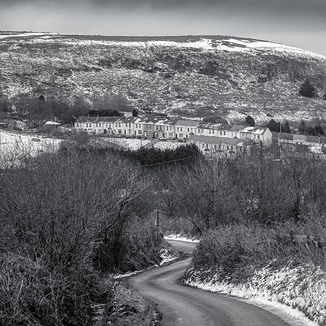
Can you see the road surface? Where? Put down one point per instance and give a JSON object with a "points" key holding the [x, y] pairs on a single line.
{"points": [[185, 306]]}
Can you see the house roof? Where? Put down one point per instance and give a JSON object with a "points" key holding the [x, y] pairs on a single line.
{"points": [[215, 126], [52, 123], [187, 123], [253, 130], [236, 127], [217, 140], [300, 137], [282, 135], [313, 139], [98, 119]]}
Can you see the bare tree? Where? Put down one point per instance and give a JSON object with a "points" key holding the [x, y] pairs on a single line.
{"points": [[205, 194]]}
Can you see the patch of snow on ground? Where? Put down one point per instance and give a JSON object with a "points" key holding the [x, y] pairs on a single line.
{"points": [[285, 292], [180, 237], [168, 145], [18, 146], [132, 144], [165, 256], [2, 36]]}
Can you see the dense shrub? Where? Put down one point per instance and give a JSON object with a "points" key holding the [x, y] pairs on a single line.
{"points": [[233, 251], [136, 248], [55, 210], [31, 294]]}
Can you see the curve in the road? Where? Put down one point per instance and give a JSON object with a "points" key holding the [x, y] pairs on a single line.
{"points": [[185, 306]]}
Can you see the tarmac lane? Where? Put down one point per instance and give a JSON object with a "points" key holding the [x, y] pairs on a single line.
{"points": [[182, 305]]}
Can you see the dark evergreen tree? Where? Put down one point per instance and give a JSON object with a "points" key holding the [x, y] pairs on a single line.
{"points": [[250, 120], [286, 127], [302, 127], [310, 131], [319, 131], [307, 89], [274, 126]]}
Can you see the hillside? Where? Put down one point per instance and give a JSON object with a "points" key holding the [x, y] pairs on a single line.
{"points": [[190, 76]]}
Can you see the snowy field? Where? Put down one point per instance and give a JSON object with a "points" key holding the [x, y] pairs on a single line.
{"points": [[14, 146], [134, 144]]}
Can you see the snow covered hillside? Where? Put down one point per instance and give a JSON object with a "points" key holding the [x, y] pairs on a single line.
{"points": [[190, 76]]}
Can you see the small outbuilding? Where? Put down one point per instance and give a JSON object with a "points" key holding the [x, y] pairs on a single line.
{"points": [[51, 125]]}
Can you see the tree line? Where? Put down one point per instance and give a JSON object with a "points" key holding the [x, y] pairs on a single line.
{"points": [[70, 217], [37, 109]]}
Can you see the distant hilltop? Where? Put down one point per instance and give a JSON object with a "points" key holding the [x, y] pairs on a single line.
{"points": [[188, 76]]}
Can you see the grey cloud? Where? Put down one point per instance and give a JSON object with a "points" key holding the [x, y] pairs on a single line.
{"points": [[284, 7], [170, 4]]}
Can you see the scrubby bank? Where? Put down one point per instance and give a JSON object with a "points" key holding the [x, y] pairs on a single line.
{"points": [[68, 219], [262, 262], [262, 223]]}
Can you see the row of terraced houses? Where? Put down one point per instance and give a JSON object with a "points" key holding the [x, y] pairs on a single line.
{"points": [[209, 137]]}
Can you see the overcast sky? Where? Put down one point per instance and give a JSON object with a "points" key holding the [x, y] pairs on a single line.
{"points": [[300, 23]]}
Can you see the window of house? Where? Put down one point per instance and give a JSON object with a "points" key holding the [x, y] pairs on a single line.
{"points": [[224, 133]]}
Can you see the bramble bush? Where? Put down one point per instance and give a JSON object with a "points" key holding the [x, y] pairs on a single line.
{"points": [[31, 294], [234, 251]]}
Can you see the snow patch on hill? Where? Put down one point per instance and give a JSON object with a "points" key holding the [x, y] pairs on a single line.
{"points": [[11, 35], [204, 43]]}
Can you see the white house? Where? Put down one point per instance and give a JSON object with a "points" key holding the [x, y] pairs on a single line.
{"points": [[212, 129], [258, 134], [219, 146], [156, 127], [184, 128]]}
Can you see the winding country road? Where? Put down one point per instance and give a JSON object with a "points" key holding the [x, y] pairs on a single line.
{"points": [[185, 306]]}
